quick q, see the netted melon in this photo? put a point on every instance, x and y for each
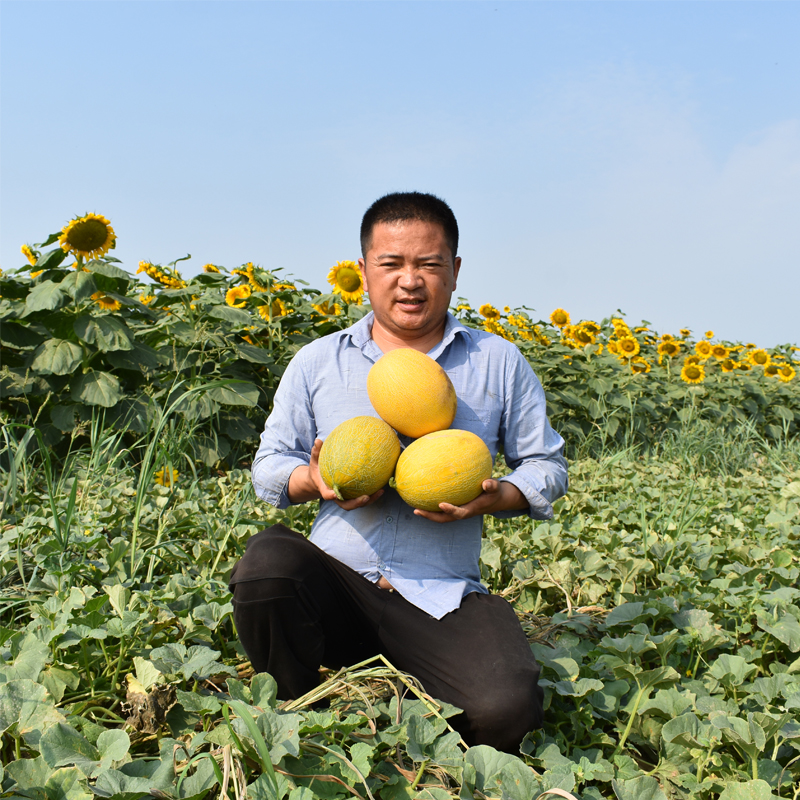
(358, 457)
(443, 467)
(411, 392)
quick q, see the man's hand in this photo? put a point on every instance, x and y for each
(496, 496)
(306, 483)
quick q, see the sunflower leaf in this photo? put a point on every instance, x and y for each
(45, 297)
(97, 389)
(57, 357)
(51, 260)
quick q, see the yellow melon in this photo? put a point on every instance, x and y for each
(358, 457)
(411, 392)
(443, 467)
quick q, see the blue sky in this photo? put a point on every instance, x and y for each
(642, 156)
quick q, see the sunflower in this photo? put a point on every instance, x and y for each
(728, 365)
(493, 326)
(237, 296)
(525, 334)
(164, 478)
(36, 273)
(277, 308)
(628, 346)
(157, 274)
(146, 299)
(346, 279)
(210, 268)
(105, 302)
(786, 373)
(703, 349)
(771, 370)
(463, 307)
(582, 335)
(640, 364)
(641, 329)
(744, 366)
(692, 359)
(693, 373)
(327, 309)
(669, 348)
(709, 334)
(29, 254)
(488, 311)
(559, 318)
(613, 347)
(685, 332)
(591, 326)
(667, 337)
(759, 358)
(90, 236)
(540, 337)
(620, 327)
(284, 287)
(720, 352)
(506, 310)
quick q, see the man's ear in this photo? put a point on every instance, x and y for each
(456, 269)
(363, 267)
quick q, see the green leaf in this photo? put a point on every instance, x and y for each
(256, 355)
(501, 773)
(113, 745)
(263, 690)
(51, 259)
(731, 670)
(63, 417)
(30, 774)
(140, 355)
(233, 315)
(97, 389)
(79, 285)
(196, 703)
(237, 393)
(29, 662)
(46, 296)
(198, 661)
(786, 630)
(57, 357)
(28, 707)
(644, 787)
(751, 790)
(62, 746)
(146, 673)
(109, 270)
(105, 332)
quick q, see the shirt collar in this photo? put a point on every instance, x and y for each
(361, 335)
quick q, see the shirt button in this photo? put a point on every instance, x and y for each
(388, 519)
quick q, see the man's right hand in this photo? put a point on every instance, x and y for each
(306, 483)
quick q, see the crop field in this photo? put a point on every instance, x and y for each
(662, 601)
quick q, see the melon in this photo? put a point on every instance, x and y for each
(411, 392)
(443, 467)
(358, 457)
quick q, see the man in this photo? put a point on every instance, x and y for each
(378, 576)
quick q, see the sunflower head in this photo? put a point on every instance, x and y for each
(693, 373)
(327, 309)
(560, 318)
(703, 348)
(105, 302)
(628, 346)
(29, 253)
(488, 311)
(165, 477)
(692, 359)
(667, 337)
(591, 326)
(728, 365)
(744, 366)
(210, 268)
(771, 370)
(582, 335)
(90, 236)
(720, 352)
(36, 273)
(709, 334)
(685, 332)
(493, 326)
(640, 365)
(786, 373)
(670, 348)
(347, 281)
(613, 347)
(759, 357)
(237, 296)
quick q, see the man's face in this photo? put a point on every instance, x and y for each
(410, 275)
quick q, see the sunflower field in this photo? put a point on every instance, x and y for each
(662, 600)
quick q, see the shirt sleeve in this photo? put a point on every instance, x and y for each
(533, 450)
(288, 437)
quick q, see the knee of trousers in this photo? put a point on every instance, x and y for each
(275, 553)
(502, 715)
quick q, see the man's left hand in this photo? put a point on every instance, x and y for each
(496, 496)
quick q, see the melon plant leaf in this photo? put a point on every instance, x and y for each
(198, 703)
(45, 297)
(752, 790)
(62, 746)
(731, 670)
(97, 389)
(29, 773)
(113, 745)
(785, 630)
(28, 663)
(57, 357)
(644, 787)
(29, 707)
(497, 772)
(263, 690)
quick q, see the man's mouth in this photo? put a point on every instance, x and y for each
(412, 302)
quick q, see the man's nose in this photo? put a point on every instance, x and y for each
(410, 278)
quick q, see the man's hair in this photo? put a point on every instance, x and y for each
(407, 206)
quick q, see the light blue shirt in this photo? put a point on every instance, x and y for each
(433, 565)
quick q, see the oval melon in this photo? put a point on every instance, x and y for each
(358, 457)
(443, 467)
(411, 392)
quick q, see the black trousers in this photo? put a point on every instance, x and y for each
(297, 608)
